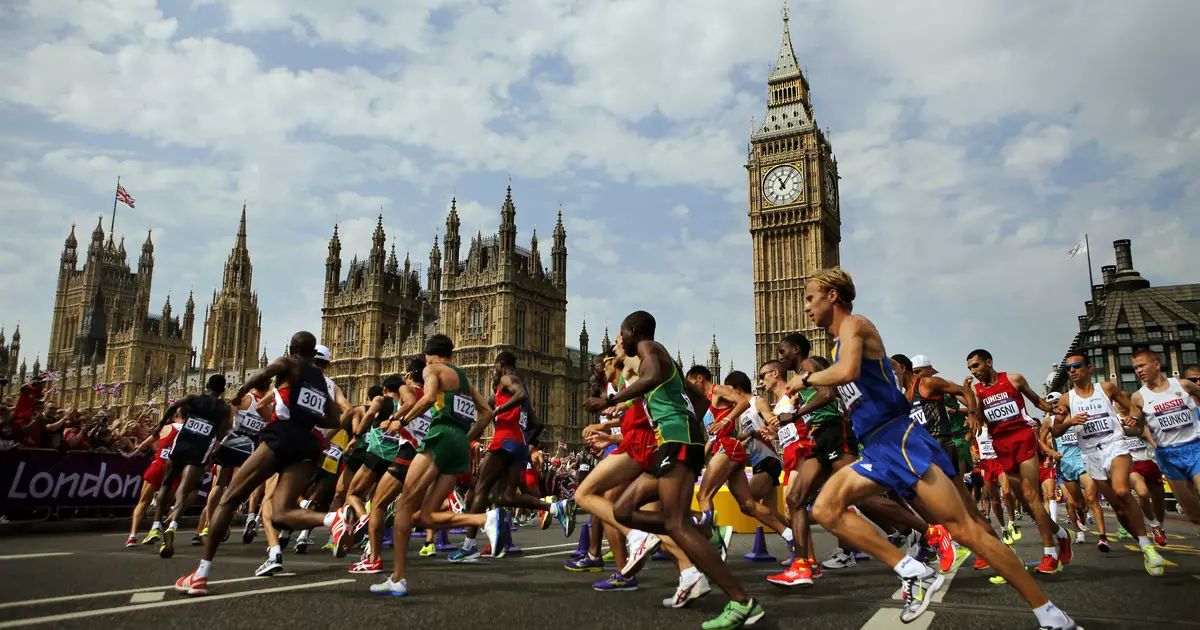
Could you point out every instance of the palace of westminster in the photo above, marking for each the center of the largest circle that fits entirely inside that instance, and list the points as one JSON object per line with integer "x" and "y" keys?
{"x": 489, "y": 293}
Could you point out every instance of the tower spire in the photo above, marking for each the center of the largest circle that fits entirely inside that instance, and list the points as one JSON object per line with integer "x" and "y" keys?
{"x": 786, "y": 66}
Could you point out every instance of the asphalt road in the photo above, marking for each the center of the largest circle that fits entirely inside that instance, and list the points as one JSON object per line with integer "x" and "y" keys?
{"x": 90, "y": 580}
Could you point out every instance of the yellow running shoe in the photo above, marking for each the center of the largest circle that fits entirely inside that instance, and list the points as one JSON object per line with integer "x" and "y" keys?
{"x": 1153, "y": 561}
{"x": 428, "y": 550}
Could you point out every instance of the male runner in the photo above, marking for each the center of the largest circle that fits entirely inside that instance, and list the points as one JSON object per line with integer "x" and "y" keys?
{"x": 680, "y": 458}
{"x": 727, "y": 451}
{"x": 379, "y": 453}
{"x": 1001, "y": 401}
{"x": 1072, "y": 476}
{"x": 235, "y": 449}
{"x": 1170, "y": 407}
{"x": 895, "y": 455}
{"x": 290, "y": 447}
{"x": 460, "y": 414}
{"x": 205, "y": 417}
{"x": 1147, "y": 481}
{"x": 1088, "y": 409}
{"x": 152, "y": 479}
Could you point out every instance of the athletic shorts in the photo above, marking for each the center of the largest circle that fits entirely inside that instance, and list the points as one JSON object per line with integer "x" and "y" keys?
{"x": 900, "y": 452}
{"x": 377, "y": 464}
{"x": 448, "y": 446}
{"x": 1045, "y": 474}
{"x": 951, "y": 450}
{"x": 291, "y": 444}
{"x": 156, "y": 471}
{"x": 399, "y": 466}
{"x": 732, "y": 448}
{"x": 1180, "y": 462}
{"x": 516, "y": 452}
{"x": 964, "y": 450}
{"x": 797, "y": 452}
{"x": 1098, "y": 462}
{"x": 991, "y": 470}
{"x": 1070, "y": 469}
{"x": 531, "y": 483}
{"x": 671, "y": 454}
{"x": 1015, "y": 447}
{"x": 609, "y": 450}
{"x": 830, "y": 441}
{"x": 1149, "y": 471}
{"x": 770, "y": 466}
{"x": 192, "y": 448}
{"x": 640, "y": 445}
{"x": 233, "y": 451}
{"x": 357, "y": 457}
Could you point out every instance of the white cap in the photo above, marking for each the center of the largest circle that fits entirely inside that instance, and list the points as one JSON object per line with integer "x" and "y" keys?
{"x": 323, "y": 354}
{"x": 920, "y": 361}
{"x": 1053, "y": 397}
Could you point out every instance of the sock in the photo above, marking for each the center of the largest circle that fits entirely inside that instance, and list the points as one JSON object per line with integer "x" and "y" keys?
{"x": 155, "y": 525}
{"x": 1144, "y": 541}
{"x": 1104, "y": 537}
{"x": 1154, "y": 523}
{"x": 689, "y": 574}
{"x": 274, "y": 551}
{"x": 329, "y": 518}
{"x": 305, "y": 503}
{"x": 202, "y": 572}
{"x": 1051, "y": 551}
{"x": 252, "y": 517}
{"x": 909, "y": 568}
{"x": 787, "y": 535}
{"x": 1053, "y": 510}
{"x": 173, "y": 525}
{"x": 1049, "y": 616}
{"x": 1062, "y": 533}
{"x": 592, "y": 557}
{"x": 469, "y": 544}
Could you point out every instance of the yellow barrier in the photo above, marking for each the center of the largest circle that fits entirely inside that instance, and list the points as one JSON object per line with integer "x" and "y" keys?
{"x": 730, "y": 514}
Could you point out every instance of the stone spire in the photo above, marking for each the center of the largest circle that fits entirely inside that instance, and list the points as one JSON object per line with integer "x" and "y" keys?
{"x": 378, "y": 243}
{"x": 786, "y": 66}
{"x": 453, "y": 242}
{"x": 714, "y": 360}
{"x": 606, "y": 344}
{"x": 558, "y": 253}
{"x": 333, "y": 263}
{"x": 508, "y": 225}
{"x": 238, "y": 271}
{"x": 392, "y": 264}
{"x": 788, "y": 104}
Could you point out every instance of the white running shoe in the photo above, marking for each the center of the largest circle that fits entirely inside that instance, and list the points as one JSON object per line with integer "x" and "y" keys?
{"x": 687, "y": 591}
{"x": 840, "y": 560}
{"x": 388, "y": 587}
{"x": 641, "y": 544}
{"x": 273, "y": 565}
{"x": 492, "y": 528}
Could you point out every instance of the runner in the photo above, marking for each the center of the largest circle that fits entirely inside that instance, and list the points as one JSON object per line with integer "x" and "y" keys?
{"x": 728, "y": 454}
{"x": 1001, "y": 399}
{"x": 895, "y": 456}
{"x": 290, "y": 447}
{"x": 205, "y": 417}
{"x": 460, "y": 414}
{"x": 1072, "y": 476}
{"x": 152, "y": 479}
{"x": 378, "y": 453}
{"x": 234, "y": 450}
{"x": 1088, "y": 409}
{"x": 1147, "y": 481}
{"x": 672, "y": 477}
{"x": 1170, "y": 407}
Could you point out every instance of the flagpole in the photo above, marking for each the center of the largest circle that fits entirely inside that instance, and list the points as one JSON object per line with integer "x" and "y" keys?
{"x": 113, "y": 225}
{"x": 1088, "y": 250}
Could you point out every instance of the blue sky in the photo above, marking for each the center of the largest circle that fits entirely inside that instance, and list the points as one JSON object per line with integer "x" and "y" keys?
{"x": 976, "y": 144}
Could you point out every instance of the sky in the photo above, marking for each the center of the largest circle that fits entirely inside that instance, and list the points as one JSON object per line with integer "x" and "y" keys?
{"x": 977, "y": 142}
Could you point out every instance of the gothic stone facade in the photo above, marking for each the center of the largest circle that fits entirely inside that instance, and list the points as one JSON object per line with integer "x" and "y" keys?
{"x": 233, "y": 323}
{"x": 794, "y": 220}
{"x": 377, "y": 317}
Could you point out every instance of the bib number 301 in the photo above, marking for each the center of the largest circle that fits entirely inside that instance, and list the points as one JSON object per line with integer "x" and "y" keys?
{"x": 312, "y": 400}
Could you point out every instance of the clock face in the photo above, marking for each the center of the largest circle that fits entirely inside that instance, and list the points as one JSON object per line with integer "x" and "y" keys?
{"x": 830, "y": 188}
{"x": 783, "y": 184}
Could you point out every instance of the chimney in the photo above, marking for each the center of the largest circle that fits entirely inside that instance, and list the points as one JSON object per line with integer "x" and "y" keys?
{"x": 1108, "y": 271}
{"x": 1124, "y": 256}
{"x": 1090, "y": 309}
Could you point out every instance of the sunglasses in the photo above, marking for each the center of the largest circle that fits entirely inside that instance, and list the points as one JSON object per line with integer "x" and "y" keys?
{"x": 763, "y": 374}
{"x": 1074, "y": 366}
{"x": 1194, "y": 379}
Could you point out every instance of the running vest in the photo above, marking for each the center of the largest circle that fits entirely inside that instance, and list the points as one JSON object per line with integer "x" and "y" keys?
{"x": 302, "y": 404}
{"x": 929, "y": 412}
{"x": 1139, "y": 449}
{"x": 1002, "y": 405}
{"x": 166, "y": 444}
{"x": 874, "y": 398}
{"x": 635, "y": 418}
{"x": 1170, "y": 414}
{"x": 750, "y": 421}
{"x": 670, "y": 411}
{"x": 1068, "y": 445}
{"x": 1102, "y": 425}
{"x": 719, "y": 415}
{"x": 986, "y": 449}
{"x": 204, "y": 416}
{"x": 792, "y": 432}
{"x": 248, "y": 422}
{"x": 456, "y": 407}
{"x": 415, "y": 431}
{"x": 511, "y": 424}
{"x": 829, "y": 412}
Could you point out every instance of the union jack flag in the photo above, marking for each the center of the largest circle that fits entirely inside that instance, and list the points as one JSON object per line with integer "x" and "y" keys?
{"x": 48, "y": 376}
{"x": 114, "y": 390}
{"x": 171, "y": 400}
{"x": 99, "y": 389}
{"x": 123, "y": 196}
{"x": 151, "y": 402}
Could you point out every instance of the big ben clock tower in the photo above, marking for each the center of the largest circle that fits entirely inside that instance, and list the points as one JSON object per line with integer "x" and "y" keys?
{"x": 794, "y": 220}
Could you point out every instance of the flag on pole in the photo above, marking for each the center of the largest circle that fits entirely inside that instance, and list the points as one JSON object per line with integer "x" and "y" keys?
{"x": 151, "y": 402}
{"x": 123, "y": 196}
{"x": 1080, "y": 248}
{"x": 99, "y": 389}
{"x": 114, "y": 390}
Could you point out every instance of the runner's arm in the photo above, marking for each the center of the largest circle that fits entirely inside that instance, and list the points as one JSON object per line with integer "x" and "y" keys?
{"x": 515, "y": 389}
{"x": 483, "y": 415}
{"x": 265, "y": 406}
{"x": 1191, "y": 388}
{"x": 260, "y": 380}
{"x": 1022, "y": 386}
{"x": 432, "y": 389}
{"x": 650, "y": 375}
{"x": 182, "y": 403}
{"x": 849, "y": 365}
{"x": 1136, "y": 420}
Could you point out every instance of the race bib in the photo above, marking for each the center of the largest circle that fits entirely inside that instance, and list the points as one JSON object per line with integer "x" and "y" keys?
{"x": 251, "y": 423}
{"x": 391, "y": 437}
{"x": 464, "y": 407}
{"x": 918, "y": 414}
{"x": 165, "y": 453}
{"x": 585, "y": 468}
{"x": 195, "y": 425}
{"x": 1135, "y": 444}
{"x": 987, "y": 450}
{"x": 419, "y": 427}
{"x": 1095, "y": 428}
{"x": 851, "y": 396}
{"x": 615, "y": 431}
{"x": 334, "y": 452}
{"x": 312, "y": 400}
{"x": 524, "y": 419}
{"x": 1003, "y": 412}
{"x": 1175, "y": 421}
{"x": 788, "y": 434}
{"x": 1069, "y": 439}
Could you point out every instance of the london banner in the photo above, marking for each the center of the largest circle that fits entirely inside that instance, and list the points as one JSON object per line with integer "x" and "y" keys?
{"x": 40, "y": 478}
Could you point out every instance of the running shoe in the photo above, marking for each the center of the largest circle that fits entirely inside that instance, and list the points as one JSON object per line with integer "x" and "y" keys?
{"x": 1064, "y": 550}
{"x": 1080, "y": 537}
{"x": 360, "y": 528}
{"x": 463, "y": 555}
{"x": 273, "y": 565}
{"x": 841, "y": 559}
{"x": 726, "y": 534}
{"x": 492, "y": 528}
{"x": 736, "y": 615}
{"x": 547, "y": 518}
{"x": 960, "y": 556}
{"x": 131, "y": 541}
{"x": 996, "y": 579}
{"x": 616, "y": 582}
{"x": 198, "y": 538}
{"x": 919, "y": 593}
{"x": 586, "y": 563}
{"x": 688, "y": 590}
{"x": 980, "y": 563}
{"x": 799, "y": 574}
{"x": 327, "y": 546}
{"x": 167, "y": 549}
{"x": 815, "y": 568}
{"x": 340, "y": 530}
{"x": 388, "y": 587}
{"x": 1153, "y": 561}
{"x": 1016, "y": 531}
{"x": 641, "y": 544}
{"x": 566, "y": 516}
{"x": 192, "y": 585}
{"x": 303, "y": 542}
{"x": 1007, "y": 535}
{"x": 1160, "y": 536}
{"x": 947, "y": 551}
{"x": 1121, "y": 533}
{"x": 153, "y": 536}
{"x": 249, "y": 531}
{"x": 1048, "y": 565}
{"x": 367, "y": 567}
{"x": 1102, "y": 544}
{"x": 457, "y": 501}
{"x": 427, "y": 550}
{"x": 609, "y": 557}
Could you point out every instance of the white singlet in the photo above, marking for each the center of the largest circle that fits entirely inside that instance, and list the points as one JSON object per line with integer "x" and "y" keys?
{"x": 1139, "y": 449}
{"x": 756, "y": 451}
{"x": 1170, "y": 414}
{"x": 1101, "y": 438}
{"x": 984, "y": 441}
{"x": 788, "y": 433}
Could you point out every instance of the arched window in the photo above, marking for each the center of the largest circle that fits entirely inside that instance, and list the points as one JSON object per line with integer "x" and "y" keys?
{"x": 119, "y": 368}
{"x": 544, "y": 402}
{"x": 475, "y": 321}
{"x": 544, "y": 331}
{"x": 350, "y": 331}
{"x": 519, "y": 326}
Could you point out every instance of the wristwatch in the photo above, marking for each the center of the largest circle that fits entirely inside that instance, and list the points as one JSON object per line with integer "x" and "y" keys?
{"x": 804, "y": 378}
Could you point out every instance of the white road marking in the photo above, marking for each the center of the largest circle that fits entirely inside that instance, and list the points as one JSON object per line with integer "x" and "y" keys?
{"x": 889, "y": 619}
{"x": 128, "y": 591}
{"x": 560, "y": 552}
{"x": 550, "y": 547}
{"x": 142, "y": 598}
{"x": 49, "y": 554}
{"x": 18, "y": 623}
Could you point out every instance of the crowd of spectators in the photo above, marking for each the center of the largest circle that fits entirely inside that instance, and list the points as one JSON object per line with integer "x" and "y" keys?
{"x": 30, "y": 419}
